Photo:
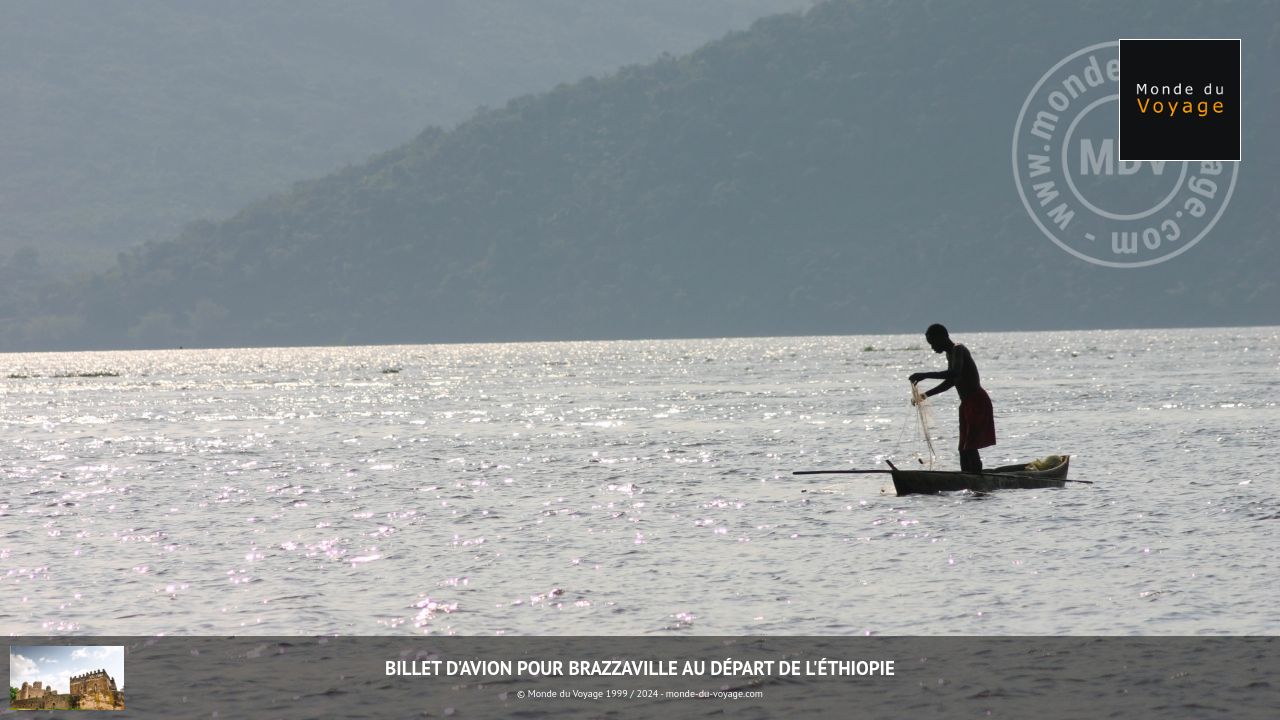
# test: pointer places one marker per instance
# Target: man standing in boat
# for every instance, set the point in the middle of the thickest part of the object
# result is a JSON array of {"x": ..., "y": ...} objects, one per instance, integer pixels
[{"x": 977, "y": 421}]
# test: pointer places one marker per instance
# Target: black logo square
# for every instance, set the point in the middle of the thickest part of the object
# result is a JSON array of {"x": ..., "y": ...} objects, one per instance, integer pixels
[{"x": 1179, "y": 100}]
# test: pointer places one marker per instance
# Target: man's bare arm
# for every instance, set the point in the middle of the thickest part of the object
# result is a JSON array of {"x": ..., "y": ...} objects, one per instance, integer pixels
[{"x": 955, "y": 363}]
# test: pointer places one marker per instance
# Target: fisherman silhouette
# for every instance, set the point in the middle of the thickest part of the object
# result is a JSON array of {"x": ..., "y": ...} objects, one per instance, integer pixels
[{"x": 977, "y": 420}]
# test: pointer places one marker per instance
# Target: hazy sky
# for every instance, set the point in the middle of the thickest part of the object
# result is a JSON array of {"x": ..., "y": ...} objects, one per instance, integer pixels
[{"x": 54, "y": 665}]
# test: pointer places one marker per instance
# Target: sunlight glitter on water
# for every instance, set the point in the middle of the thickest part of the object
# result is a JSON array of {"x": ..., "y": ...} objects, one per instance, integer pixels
[{"x": 299, "y": 491}]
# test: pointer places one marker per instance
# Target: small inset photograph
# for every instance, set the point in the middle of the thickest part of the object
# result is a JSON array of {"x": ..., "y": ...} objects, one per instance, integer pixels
[{"x": 66, "y": 677}]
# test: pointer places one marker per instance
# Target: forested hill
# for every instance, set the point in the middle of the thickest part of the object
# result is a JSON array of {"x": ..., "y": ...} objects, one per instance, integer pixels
[
  {"x": 846, "y": 170},
  {"x": 124, "y": 121}
]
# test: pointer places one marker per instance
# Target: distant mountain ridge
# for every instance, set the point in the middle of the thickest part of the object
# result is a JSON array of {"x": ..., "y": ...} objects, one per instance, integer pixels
[
  {"x": 125, "y": 121},
  {"x": 845, "y": 170}
]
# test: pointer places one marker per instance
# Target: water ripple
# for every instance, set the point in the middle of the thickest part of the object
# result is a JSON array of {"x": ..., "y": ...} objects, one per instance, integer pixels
[{"x": 634, "y": 488}]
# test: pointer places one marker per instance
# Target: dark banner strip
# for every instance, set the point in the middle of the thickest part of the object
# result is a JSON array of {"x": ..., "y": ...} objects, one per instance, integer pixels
[{"x": 637, "y": 677}]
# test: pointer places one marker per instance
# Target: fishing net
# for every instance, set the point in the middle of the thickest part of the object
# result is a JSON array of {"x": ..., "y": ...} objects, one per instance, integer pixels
[{"x": 924, "y": 420}]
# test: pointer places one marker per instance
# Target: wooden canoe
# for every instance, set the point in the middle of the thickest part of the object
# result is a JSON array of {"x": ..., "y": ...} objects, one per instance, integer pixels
[{"x": 1008, "y": 477}]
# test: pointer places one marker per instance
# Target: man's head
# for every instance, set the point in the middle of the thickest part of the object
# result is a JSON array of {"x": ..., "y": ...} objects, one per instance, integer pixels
[{"x": 938, "y": 338}]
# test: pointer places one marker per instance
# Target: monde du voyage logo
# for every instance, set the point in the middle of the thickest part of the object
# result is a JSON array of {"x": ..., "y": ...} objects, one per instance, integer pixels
[{"x": 1083, "y": 197}]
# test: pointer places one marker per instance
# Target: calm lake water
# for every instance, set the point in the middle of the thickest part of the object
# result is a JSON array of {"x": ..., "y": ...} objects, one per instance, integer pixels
[{"x": 637, "y": 488}]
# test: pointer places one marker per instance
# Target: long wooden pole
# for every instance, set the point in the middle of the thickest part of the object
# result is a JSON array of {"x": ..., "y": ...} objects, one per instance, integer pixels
[{"x": 840, "y": 472}]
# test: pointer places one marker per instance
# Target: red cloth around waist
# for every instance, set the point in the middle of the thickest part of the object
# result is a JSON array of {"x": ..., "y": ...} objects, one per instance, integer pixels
[{"x": 977, "y": 421}]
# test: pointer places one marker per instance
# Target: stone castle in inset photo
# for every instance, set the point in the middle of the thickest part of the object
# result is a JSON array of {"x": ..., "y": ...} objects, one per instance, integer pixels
[{"x": 95, "y": 690}]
